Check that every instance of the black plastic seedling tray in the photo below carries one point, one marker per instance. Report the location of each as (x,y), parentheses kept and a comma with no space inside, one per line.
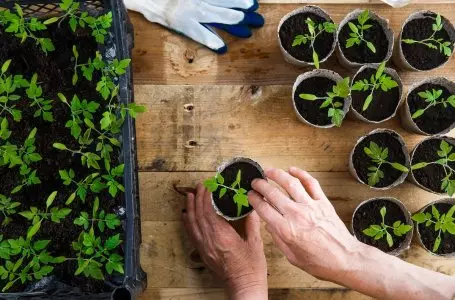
(119,46)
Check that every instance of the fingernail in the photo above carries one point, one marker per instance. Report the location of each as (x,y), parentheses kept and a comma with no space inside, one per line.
(183,211)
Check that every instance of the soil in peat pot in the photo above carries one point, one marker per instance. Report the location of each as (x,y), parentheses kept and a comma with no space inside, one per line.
(296,25)
(420,56)
(431,176)
(436,118)
(310,110)
(383,105)
(368,214)
(226,204)
(362,161)
(361,53)
(55,72)
(428,235)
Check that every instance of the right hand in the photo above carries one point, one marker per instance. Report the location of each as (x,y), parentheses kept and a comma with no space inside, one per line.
(306,229)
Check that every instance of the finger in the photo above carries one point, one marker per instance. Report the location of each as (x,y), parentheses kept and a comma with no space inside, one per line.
(272,194)
(264,210)
(199,202)
(291,184)
(310,184)
(253,20)
(214,14)
(248,5)
(253,227)
(241,31)
(189,219)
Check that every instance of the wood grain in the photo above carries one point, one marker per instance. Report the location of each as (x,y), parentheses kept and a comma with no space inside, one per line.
(163,57)
(274,294)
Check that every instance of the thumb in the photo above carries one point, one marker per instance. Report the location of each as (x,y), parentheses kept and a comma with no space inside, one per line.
(253,227)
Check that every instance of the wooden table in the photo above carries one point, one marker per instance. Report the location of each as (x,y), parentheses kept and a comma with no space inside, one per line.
(204,108)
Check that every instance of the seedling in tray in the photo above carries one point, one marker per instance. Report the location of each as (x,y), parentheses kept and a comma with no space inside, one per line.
(446,156)
(379,231)
(357,31)
(431,42)
(340,90)
(442,223)
(433,98)
(315,30)
(379,156)
(377,81)
(240,198)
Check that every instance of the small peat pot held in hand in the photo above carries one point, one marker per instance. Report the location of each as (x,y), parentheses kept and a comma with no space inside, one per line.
(363,38)
(321,98)
(433,165)
(376,93)
(380,159)
(230,186)
(425,42)
(307,36)
(430,107)
(435,225)
(384,223)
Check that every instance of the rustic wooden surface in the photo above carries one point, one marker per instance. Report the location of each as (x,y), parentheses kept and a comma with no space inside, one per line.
(204,108)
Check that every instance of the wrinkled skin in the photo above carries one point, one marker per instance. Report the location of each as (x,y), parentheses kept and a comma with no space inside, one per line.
(238,261)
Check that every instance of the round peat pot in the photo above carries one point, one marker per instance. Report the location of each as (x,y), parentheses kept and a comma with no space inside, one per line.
(379,34)
(362,164)
(369,212)
(427,235)
(430,177)
(319,83)
(419,115)
(416,56)
(250,170)
(298,51)
(384,104)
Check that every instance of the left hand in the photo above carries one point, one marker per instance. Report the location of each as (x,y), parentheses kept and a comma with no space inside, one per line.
(239,262)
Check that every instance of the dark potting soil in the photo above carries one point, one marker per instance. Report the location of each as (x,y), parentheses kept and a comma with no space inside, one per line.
(226,204)
(362,161)
(310,110)
(368,214)
(55,72)
(436,118)
(383,105)
(296,25)
(431,176)
(420,56)
(428,235)
(361,53)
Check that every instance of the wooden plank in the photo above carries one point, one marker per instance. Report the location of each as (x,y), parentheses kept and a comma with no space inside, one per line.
(161,202)
(165,256)
(227,121)
(163,57)
(274,294)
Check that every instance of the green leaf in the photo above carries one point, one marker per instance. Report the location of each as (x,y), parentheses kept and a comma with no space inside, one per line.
(435,212)
(211,185)
(389,239)
(308,97)
(419,218)
(358,85)
(436,245)
(367,102)
(371,47)
(418,113)
(222,192)
(40,245)
(5,66)
(51,199)
(399,167)
(59,146)
(351,42)
(419,166)
(33,230)
(380,71)
(219,178)
(383,211)
(353,27)
(316,59)
(50,20)
(298,40)
(372,231)
(113,242)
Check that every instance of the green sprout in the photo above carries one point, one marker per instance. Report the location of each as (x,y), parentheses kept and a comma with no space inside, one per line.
(24,29)
(432,99)
(377,81)
(34,92)
(379,156)
(101,219)
(379,231)
(433,43)
(315,30)
(9,84)
(8,209)
(240,198)
(446,156)
(442,223)
(91,183)
(358,30)
(335,112)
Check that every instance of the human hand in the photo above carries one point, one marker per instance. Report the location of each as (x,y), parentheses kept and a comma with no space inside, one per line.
(307,229)
(194,18)
(239,262)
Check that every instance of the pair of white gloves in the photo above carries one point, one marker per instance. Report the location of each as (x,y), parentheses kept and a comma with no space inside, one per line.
(196,18)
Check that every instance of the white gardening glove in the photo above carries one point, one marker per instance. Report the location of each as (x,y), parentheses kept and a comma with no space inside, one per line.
(397,3)
(194,18)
